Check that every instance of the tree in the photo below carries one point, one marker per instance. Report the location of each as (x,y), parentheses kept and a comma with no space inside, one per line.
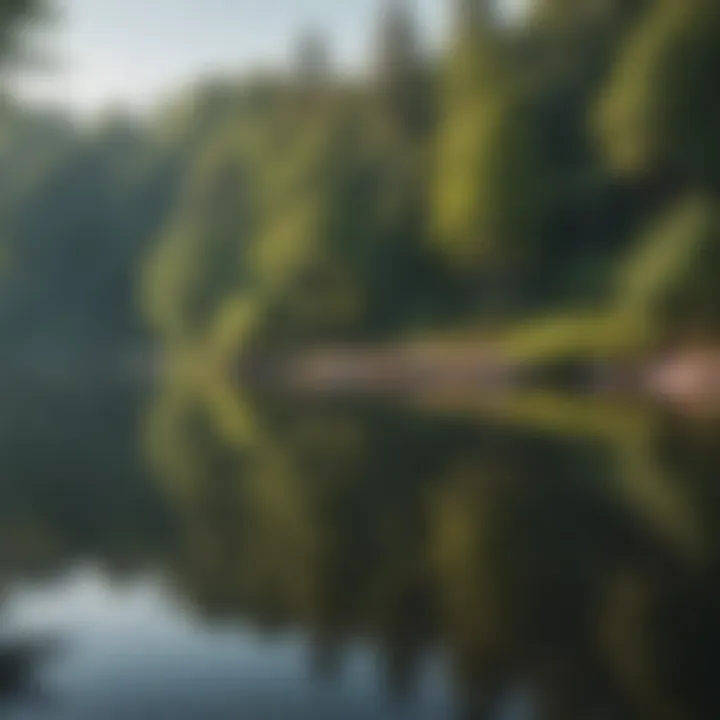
(660,111)
(487,182)
(12,14)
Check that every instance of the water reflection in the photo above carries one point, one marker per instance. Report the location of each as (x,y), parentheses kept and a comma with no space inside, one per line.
(544,558)
(137,651)
(19,660)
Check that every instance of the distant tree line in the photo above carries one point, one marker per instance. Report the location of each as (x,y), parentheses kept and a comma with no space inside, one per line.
(556,173)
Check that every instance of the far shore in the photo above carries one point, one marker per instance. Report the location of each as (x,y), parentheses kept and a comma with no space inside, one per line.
(690,375)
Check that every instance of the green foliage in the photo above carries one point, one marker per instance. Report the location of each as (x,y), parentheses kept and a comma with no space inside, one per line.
(668,258)
(660,109)
(663,289)
(68,269)
(589,336)
(249,218)
(487,183)
(321,228)
(200,256)
(282,211)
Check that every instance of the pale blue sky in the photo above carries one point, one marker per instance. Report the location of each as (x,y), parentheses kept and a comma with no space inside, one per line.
(138,51)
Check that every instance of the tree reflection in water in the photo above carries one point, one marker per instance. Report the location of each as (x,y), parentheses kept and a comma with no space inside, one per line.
(20,660)
(560,555)
(577,561)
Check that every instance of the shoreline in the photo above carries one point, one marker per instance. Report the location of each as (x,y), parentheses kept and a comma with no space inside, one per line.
(681,376)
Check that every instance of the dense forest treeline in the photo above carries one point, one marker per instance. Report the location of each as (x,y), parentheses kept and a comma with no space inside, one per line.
(553,183)
(550,180)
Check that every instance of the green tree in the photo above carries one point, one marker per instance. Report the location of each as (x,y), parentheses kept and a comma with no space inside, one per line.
(487,190)
(659,111)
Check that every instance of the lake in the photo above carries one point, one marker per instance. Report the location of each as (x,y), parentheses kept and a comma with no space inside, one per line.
(193,552)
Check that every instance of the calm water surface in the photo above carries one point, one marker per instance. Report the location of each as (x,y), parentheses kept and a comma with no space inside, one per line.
(183,554)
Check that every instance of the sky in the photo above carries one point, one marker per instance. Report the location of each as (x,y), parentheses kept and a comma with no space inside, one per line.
(137,52)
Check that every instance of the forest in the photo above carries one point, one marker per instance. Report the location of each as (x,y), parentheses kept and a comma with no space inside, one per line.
(548,182)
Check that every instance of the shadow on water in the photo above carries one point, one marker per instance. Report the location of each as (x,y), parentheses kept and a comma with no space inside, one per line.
(21,662)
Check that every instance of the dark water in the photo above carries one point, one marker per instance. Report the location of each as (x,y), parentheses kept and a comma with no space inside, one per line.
(196,554)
